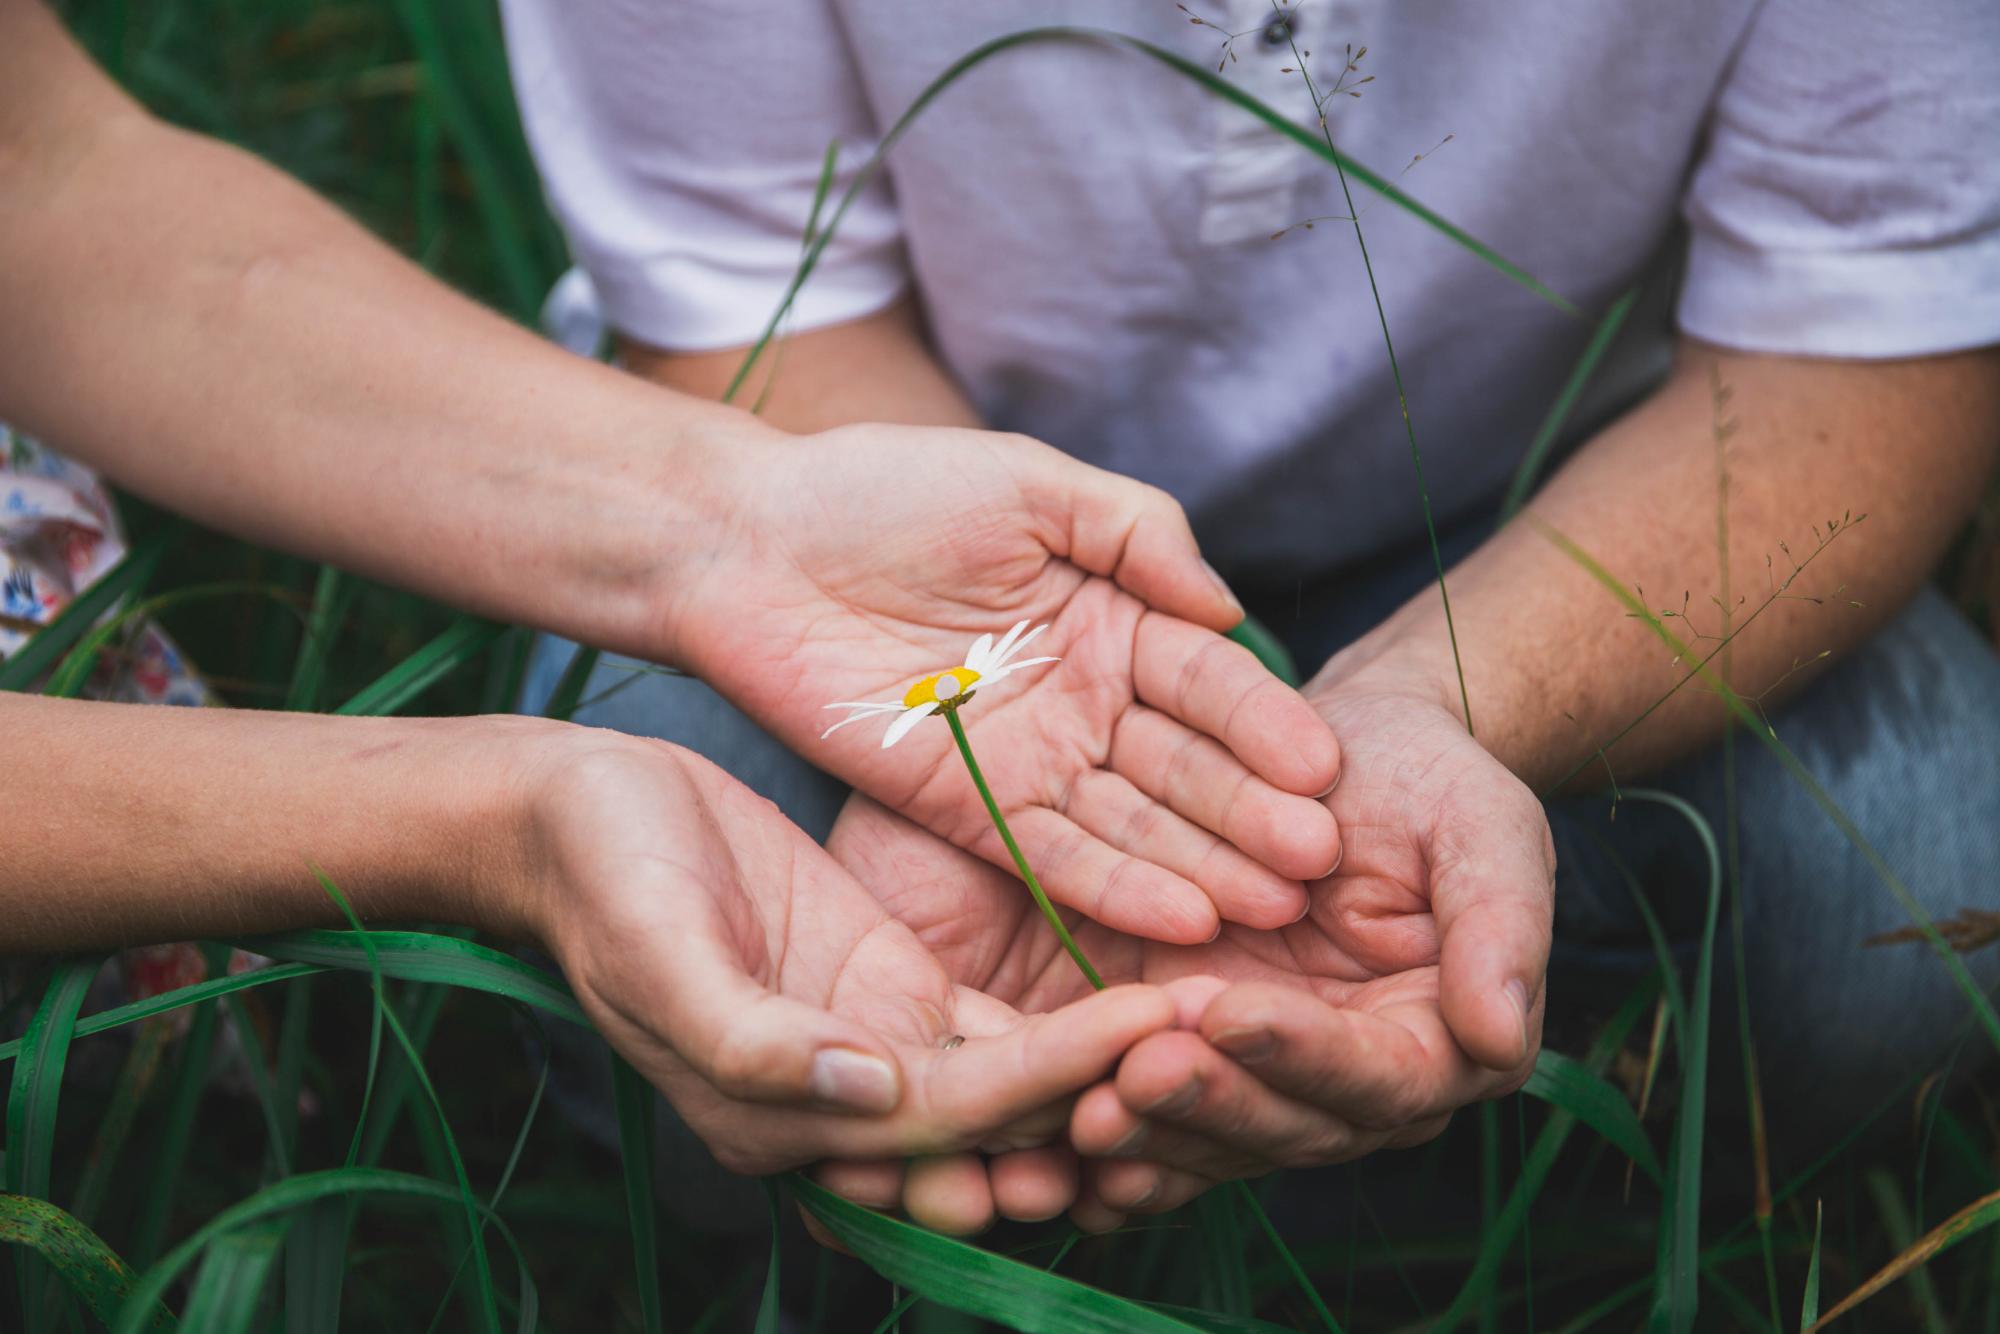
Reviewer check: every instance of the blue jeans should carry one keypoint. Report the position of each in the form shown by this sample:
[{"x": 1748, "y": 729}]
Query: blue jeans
[{"x": 1904, "y": 733}]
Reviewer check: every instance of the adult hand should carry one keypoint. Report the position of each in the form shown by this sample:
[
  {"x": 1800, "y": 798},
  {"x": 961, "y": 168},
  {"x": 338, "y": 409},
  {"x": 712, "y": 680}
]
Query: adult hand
[
  {"x": 1361, "y": 1026},
  {"x": 775, "y": 1003},
  {"x": 1157, "y": 778}
]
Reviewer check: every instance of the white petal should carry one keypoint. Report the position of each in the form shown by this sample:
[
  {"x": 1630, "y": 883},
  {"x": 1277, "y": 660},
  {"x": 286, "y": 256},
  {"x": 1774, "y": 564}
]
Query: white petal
[
  {"x": 1003, "y": 673},
  {"x": 1006, "y": 643},
  {"x": 901, "y": 727},
  {"x": 975, "y": 657},
  {"x": 861, "y": 710},
  {"x": 1000, "y": 659},
  {"x": 872, "y": 705}
]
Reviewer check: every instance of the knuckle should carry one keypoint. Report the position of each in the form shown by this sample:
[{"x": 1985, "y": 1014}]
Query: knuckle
[{"x": 737, "y": 1066}]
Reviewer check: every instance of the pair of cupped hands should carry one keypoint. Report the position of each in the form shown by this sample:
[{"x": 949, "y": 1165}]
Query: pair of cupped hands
[{"x": 1323, "y": 917}]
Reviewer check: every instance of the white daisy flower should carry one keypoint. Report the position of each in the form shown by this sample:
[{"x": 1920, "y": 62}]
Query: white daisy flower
[{"x": 986, "y": 663}]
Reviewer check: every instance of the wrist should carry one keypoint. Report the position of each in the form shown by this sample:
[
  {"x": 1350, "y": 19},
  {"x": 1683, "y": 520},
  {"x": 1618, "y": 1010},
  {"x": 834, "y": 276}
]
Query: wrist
[{"x": 473, "y": 856}]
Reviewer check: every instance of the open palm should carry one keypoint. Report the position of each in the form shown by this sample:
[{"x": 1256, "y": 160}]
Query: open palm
[
  {"x": 784, "y": 1014},
  {"x": 1362, "y": 1024},
  {"x": 1157, "y": 777}
]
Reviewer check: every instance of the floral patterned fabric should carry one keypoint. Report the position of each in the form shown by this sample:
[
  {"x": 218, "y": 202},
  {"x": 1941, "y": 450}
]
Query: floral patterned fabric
[{"x": 58, "y": 535}]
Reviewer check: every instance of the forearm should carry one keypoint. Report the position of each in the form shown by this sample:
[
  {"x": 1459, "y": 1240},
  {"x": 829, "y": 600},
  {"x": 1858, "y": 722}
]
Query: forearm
[
  {"x": 133, "y": 824},
  {"x": 1555, "y": 668},
  {"x": 877, "y": 369},
  {"x": 212, "y": 336}
]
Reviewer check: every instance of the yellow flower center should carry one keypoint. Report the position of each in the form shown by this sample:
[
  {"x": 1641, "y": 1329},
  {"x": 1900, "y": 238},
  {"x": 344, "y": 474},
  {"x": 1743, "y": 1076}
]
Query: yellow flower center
[{"x": 941, "y": 687}]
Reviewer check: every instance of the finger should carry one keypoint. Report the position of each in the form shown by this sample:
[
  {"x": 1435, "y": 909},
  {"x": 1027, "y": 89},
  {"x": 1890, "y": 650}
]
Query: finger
[
  {"x": 1134, "y": 1186},
  {"x": 1093, "y": 1216},
  {"x": 1137, "y": 535},
  {"x": 871, "y": 1183},
  {"x": 1242, "y": 889},
  {"x": 1199, "y": 779},
  {"x": 1218, "y": 688},
  {"x": 1103, "y": 1129},
  {"x": 1378, "y": 1071},
  {"x": 755, "y": 1046},
  {"x": 1081, "y": 871},
  {"x": 1493, "y": 896},
  {"x": 1178, "y": 1080},
  {"x": 818, "y": 1232},
  {"x": 992, "y": 1082},
  {"x": 949, "y": 1194},
  {"x": 1031, "y": 1185}
]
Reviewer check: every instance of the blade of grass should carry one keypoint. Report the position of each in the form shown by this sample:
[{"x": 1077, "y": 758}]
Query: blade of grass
[
  {"x": 1809, "y": 1302},
  {"x": 634, "y": 1099},
  {"x": 315, "y": 1264},
  {"x": 447, "y": 65},
  {"x": 1529, "y": 470},
  {"x": 91, "y": 1269},
  {"x": 568, "y": 693},
  {"x": 975, "y": 1281},
  {"x": 31, "y": 1109},
  {"x": 1254, "y": 635},
  {"x": 74, "y": 672},
  {"x": 1224, "y": 1278},
  {"x": 332, "y": 595},
  {"x": 506, "y": 1173},
  {"x": 293, "y": 1034},
  {"x": 1569, "y": 1084},
  {"x": 170, "y": 1155},
  {"x": 280, "y": 1157},
  {"x": 1478, "y": 1289},
  {"x": 767, "y": 1305},
  {"x": 129, "y": 576},
  {"x": 1215, "y": 85},
  {"x": 489, "y": 1309},
  {"x": 298, "y": 1192},
  {"x": 1678, "y": 1295},
  {"x": 230, "y": 1282},
  {"x": 457, "y": 644},
  {"x": 1912, "y": 1254},
  {"x": 420, "y": 956},
  {"x": 135, "y": 1080},
  {"x": 179, "y": 998}
]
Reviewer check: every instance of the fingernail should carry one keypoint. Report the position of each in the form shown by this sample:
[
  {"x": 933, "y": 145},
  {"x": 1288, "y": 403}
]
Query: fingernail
[
  {"x": 1147, "y": 1196},
  {"x": 1308, "y": 905},
  {"x": 855, "y": 1081},
  {"x": 1248, "y": 1046},
  {"x": 1130, "y": 1144},
  {"x": 1179, "y": 1101},
  {"x": 1222, "y": 586}
]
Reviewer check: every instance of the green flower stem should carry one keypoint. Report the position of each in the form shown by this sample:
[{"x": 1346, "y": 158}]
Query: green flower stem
[{"x": 1020, "y": 862}]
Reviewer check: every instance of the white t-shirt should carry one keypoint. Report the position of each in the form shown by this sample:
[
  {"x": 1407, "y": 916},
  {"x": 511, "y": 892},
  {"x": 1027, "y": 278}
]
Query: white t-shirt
[{"x": 1089, "y": 232}]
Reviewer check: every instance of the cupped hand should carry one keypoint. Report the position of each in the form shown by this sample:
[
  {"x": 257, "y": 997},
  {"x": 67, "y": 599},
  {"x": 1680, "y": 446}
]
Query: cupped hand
[
  {"x": 774, "y": 1002},
  {"x": 1412, "y": 986},
  {"x": 1157, "y": 777}
]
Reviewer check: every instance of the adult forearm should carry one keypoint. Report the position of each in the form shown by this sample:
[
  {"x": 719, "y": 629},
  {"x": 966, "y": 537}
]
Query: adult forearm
[
  {"x": 876, "y": 369},
  {"x": 1553, "y": 665},
  {"x": 132, "y": 824},
  {"x": 212, "y": 336}
]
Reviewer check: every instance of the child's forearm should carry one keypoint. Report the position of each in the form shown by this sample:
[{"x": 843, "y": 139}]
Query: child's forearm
[{"x": 133, "y": 823}]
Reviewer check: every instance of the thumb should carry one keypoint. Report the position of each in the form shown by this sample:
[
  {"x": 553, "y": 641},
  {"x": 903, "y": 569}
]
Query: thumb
[
  {"x": 754, "y": 1045},
  {"x": 1492, "y": 894},
  {"x": 1137, "y": 536}
]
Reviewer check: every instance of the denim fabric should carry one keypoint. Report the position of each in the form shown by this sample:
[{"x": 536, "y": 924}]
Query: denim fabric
[{"x": 1904, "y": 734}]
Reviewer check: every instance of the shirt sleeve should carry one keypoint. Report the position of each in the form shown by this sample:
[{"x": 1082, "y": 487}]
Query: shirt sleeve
[
  {"x": 681, "y": 144},
  {"x": 1847, "y": 202}
]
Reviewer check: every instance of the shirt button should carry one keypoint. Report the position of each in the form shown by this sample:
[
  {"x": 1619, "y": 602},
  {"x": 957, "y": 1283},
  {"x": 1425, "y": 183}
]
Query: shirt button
[{"x": 1281, "y": 31}]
